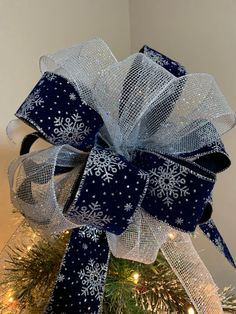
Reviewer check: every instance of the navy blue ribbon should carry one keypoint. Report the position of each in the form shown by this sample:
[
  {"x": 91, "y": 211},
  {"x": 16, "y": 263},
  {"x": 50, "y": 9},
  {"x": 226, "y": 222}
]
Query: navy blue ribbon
[
  {"x": 213, "y": 158},
  {"x": 80, "y": 283},
  {"x": 176, "y": 190}
]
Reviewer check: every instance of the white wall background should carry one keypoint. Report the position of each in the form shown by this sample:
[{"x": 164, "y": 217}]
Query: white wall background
[
  {"x": 29, "y": 29},
  {"x": 199, "y": 33}
]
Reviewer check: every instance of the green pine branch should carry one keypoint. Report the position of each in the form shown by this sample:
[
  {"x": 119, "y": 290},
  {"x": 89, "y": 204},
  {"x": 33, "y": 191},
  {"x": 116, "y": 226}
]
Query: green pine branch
[{"x": 31, "y": 276}]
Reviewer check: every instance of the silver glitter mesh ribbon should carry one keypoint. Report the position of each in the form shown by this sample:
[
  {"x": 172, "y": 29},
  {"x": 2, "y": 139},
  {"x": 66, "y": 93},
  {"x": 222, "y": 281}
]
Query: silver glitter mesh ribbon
[
  {"x": 40, "y": 196},
  {"x": 145, "y": 107},
  {"x": 192, "y": 273}
]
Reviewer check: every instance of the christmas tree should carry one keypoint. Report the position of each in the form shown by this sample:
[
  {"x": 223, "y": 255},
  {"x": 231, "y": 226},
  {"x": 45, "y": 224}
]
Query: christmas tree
[{"x": 31, "y": 270}]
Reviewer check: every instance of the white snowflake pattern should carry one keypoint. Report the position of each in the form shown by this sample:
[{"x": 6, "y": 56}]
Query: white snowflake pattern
[
  {"x": 72, "y": 96},
  {"x": 60, "y": 278},
  {"x": 84, "y": 246},
  {"x": 156, "y": 57},
  {"x": 32, "y": 101},
  {"x": 128, "y": 207},
  {"x": 181, "y": 69},
  {"x": 90, "y": 232},
  {"x": 103, "y": 163},
  {"x": 90, "y": 215},
  {"x": 41, "y": 82},
  {"x": 69, "y": 130},
  {"x": 168, "y": 182},
  {"x": 217, "y": 146},
  {"x": 219, "y": 244},
  {"x": 143, "y": 174},
  {"x": 208, "y": 136},
  {"x": 93, "y": 279},
  {"x": 50, "y": 76},
  {"x": 63, "y": 263},
  {"x": 210, "y": 224},
  {"x": 179, "y": 221},
  {"x": 130, "y": 220}
]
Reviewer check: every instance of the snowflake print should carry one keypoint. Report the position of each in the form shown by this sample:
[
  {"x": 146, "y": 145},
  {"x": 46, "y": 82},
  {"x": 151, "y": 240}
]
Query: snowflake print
[
  {"x": 103, "y": 163},
  {"x": 41, "y": 82},
  {"x": 181, "y": 69},
  {"x": 84, "y": 246},
  {"x": 209, "y": 132},
  {"x": 143, "y": 174},
  {"x": 72, "y": 96},
  {"x": 217, "y": 146},
  {"x": 90, "y": 232},
  {"x": 69, "y": 130},
  {"x": 90, "y": 215},
  {"x": 50, "y": 76},
  {"x": 128, "y": 207},
  {"x": 168, "y": 182},
  {"x": 60, "y": 278},
  {"x": 156, "y": 57},
  {"x": 179, "y": 221},
  {"x": 210, "y": 224},
  {"x": 93, "y": 279},
  {"x": 219, "y": 244},
  {"x": 33, "y": 100}
]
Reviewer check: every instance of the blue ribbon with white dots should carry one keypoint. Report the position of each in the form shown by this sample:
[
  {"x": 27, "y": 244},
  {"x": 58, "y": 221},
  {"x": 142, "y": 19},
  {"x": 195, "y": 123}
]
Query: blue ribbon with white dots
[{"x": 175, "y": 189}]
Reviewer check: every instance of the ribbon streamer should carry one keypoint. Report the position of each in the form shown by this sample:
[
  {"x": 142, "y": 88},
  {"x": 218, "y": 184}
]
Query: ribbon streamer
[{"x": 136, "y": 148}]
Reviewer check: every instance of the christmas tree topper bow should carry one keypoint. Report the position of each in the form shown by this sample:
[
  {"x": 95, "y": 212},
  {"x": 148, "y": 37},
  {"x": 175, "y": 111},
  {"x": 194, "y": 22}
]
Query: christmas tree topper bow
[{"x": 135, "y": 154}]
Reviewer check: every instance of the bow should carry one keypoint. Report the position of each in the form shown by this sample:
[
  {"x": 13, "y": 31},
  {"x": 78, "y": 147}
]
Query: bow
[{"x": 133, "y": 164}]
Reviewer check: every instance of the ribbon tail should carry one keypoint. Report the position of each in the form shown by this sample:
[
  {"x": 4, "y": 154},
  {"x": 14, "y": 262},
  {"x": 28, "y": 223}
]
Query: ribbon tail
[
  {"x": 212, "y": 233},
  {"x": 192, "y": 273},
  {"x": 80, "y": 283}
]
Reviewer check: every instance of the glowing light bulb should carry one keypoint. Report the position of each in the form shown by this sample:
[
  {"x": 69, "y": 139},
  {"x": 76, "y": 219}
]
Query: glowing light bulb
[
  {"x": 136, "y": 277},
  {"x": 10, "y": 300},
  {"x": 172, "y": 235},
  {"x": 191, "y": 310},
  {"x": 29, "y": 247},
  {"x": 67, "y": 232}
]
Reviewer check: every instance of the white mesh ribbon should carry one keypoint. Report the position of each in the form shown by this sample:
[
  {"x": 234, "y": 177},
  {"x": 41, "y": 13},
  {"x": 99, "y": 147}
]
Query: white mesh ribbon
[{"x": 145, "y": 107}]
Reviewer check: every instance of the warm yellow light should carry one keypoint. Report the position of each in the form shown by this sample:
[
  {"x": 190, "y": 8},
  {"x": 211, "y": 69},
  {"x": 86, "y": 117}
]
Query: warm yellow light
[
  {"x": 29, "y": 248},
  {"x": 136, "y": 277},
  {"x": 191, "y": 310},
  {"x": 11, "y": 300},
  {"x": 67, "y": 232},
  {"x": 172, "y": 235}
]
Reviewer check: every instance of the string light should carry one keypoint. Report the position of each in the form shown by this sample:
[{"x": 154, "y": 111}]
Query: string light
[
  {"x": 67, "y": 232},
  {"x": 29, "y": 247},
  {"x": 136, "y": 277},
  {"x": 191, "y": 310},
  {"x": 10, "y": 300},
  {"x": 172, "y": 235}
]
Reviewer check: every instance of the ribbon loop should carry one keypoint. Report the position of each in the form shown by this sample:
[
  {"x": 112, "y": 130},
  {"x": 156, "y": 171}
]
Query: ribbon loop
[
  {"x": 40, "y": 195},
  {"x": 82, "y": 65},
  {"x": 54, "y": 108},
  {"x": 175, "y": 186},
  {"x": 142, "y": 239},
  {"x": 144, "y": 106},
  {"x": 109, "y": 192}
]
